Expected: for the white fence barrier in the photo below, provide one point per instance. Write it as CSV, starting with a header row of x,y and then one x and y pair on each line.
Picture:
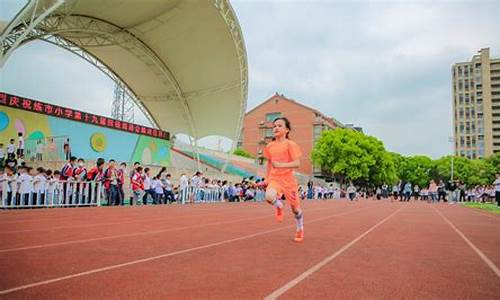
x,y
73,193
56,194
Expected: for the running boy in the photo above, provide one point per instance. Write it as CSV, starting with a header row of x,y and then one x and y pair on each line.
x,y
283,155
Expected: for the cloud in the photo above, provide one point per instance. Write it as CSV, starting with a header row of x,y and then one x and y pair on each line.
x,y
384,66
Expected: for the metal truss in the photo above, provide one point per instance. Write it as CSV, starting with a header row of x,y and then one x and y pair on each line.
x,y
123,106
229,16
52,21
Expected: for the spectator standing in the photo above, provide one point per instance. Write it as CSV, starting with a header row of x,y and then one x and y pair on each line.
x,y
148,188
2,155
111,183
137,183
11,149
496,183
433,191
351,191
168,189
20,145
67,149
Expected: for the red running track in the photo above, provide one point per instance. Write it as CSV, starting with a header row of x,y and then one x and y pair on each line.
x,y
367,249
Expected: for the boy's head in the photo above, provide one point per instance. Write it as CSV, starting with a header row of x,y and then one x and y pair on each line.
x,y
111,163
57,173
40,170
139,169
9,171
100,162
72,159
12,141
21,169
123,165
19,134
146,170
169,176
136,164
48,172
30,171
81,162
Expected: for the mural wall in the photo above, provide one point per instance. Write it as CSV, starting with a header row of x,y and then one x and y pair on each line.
x,y
47,134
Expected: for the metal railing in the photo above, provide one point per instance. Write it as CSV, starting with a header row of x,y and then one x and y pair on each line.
x,y
56,194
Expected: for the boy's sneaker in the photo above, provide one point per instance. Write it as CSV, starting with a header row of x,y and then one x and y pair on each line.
x,y
299,236
279,214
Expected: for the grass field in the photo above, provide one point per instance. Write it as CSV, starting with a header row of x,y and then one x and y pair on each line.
x,y
486,206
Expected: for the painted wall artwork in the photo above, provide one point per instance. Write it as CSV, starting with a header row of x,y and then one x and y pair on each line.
x,y
46,135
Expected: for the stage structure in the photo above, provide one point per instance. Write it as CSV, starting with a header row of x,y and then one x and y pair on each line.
x,y
183,63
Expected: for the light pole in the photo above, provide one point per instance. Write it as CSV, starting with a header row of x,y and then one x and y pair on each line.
x,y
452,140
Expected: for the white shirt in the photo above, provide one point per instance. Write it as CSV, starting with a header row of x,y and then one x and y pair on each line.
x,y
11,148
168,185
2,153
183,182
21,142
40,183
156,185
497,185
10,180
3,180
147,182
26,183
39,148
54,185
196,181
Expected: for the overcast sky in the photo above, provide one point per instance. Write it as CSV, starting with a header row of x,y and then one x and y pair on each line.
x,y
384,66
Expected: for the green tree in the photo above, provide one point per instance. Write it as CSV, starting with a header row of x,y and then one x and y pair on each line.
x,y
494,161
416,169
482,172
242,152
461,168
353,156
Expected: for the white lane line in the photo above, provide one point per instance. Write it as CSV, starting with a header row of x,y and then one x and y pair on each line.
x,y
125,235
147,259
478,211
280,291
483,256
129,221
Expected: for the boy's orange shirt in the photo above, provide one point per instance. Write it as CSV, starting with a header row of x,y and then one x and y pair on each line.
x,y
285,151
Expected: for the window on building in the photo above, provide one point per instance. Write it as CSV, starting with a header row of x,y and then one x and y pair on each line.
x,y
269,132
270,117
479,94
461,99
317,131
460,84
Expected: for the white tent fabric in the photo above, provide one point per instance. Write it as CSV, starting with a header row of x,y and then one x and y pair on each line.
x,y
184,60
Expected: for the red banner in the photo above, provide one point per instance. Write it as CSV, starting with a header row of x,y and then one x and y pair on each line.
x,y
79,116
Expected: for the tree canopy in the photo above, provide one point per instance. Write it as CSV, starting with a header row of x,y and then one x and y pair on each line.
x,y
353,156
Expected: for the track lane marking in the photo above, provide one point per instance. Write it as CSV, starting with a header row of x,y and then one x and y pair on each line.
x,y
143,233
483,256
289,285
169,254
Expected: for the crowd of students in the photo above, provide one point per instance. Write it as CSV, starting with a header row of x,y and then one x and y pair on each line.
x,y
73,184
451,192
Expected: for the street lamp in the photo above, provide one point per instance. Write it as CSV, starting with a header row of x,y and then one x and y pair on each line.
x,y
452,140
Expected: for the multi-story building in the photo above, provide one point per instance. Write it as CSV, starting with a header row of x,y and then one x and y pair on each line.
x,y
307,125
476,106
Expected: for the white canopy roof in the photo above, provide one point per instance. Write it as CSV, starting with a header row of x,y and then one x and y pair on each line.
x,y
185,61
